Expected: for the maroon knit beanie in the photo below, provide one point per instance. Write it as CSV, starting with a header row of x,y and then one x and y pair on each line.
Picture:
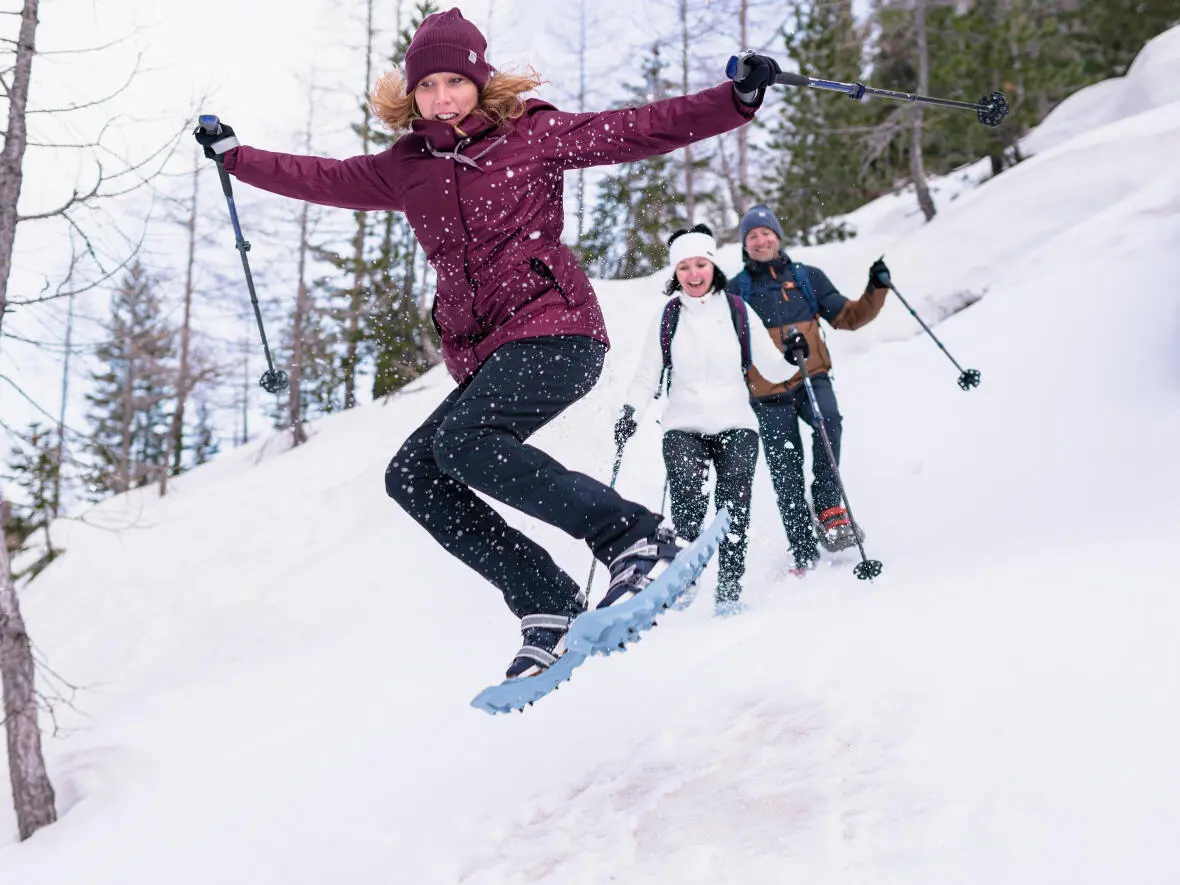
x,y
446,41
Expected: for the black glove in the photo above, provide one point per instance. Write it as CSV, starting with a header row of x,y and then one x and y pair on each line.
x,y
796,350
879,275
216,143
625,427
754,74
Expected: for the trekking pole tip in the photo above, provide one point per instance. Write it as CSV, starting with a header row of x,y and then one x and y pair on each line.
x,y
969,379
992,109
868,569
274,381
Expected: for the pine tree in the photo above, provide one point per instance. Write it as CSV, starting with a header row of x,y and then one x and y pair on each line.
x,y
817,137
378,315
37,472
206,441
1109,34
400,337
132,394
1023,48
638,204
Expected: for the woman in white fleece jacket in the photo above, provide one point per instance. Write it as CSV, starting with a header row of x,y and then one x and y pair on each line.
x,y
708,416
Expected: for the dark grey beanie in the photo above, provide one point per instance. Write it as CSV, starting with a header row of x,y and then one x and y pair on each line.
x,y
759,216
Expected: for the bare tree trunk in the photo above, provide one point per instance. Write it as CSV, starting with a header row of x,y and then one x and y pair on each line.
x,y
302,296
917,169
294,392
732,188
302,306
356,302
15,141
59,453
175,450
743,134
32,793
581,109
689,172
123,468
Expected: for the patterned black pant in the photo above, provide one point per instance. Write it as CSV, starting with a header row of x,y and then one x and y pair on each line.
x,y
779,419
734,454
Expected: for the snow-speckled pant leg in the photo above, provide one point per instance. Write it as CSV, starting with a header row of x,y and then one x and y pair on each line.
x,y
476,440
734,454
825,491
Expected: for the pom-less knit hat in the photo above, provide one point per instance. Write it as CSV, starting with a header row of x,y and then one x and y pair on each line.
x,y
694,244
446,41
759,216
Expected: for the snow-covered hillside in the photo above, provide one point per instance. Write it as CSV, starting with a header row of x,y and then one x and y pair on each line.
x,y
274,663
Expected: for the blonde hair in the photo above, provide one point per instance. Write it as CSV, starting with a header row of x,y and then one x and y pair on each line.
x,y
499,100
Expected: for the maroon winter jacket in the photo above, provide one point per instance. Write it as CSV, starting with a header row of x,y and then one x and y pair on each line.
x,y
488,210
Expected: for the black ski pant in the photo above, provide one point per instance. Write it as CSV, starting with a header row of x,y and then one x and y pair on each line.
x,y
778,419
734,454
475,441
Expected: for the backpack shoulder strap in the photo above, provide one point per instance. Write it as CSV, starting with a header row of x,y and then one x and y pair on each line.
x,y
745,285
668,321
803,281
741,325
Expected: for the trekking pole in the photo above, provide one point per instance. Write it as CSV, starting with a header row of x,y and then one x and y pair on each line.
x,y
273,380
614,475
991,109
664,495
795,346
968,378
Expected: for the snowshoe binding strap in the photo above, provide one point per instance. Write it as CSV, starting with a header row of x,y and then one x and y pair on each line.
x,y
545,622
639,565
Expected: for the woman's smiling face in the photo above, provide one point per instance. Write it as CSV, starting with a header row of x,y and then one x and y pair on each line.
x,y
695,276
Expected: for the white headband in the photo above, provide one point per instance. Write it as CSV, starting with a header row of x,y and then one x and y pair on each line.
x,y
692,245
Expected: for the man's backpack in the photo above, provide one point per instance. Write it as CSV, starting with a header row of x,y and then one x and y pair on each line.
x,y
671,316
802,281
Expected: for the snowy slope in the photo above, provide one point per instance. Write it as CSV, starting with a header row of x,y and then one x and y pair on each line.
x,y
274,663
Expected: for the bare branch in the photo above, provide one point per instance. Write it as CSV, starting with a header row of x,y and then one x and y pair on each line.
x,y
50,53
74,200
97,101
53,418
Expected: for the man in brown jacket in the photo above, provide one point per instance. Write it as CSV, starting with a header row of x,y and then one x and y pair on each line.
x,y
785,294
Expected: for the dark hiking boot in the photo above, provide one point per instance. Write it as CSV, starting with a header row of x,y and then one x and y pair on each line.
x,y
640,564
544,641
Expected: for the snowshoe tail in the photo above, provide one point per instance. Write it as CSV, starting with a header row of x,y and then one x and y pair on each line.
x,y
516,694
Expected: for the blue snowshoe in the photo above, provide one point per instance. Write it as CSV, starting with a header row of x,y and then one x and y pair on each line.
x,y
646,579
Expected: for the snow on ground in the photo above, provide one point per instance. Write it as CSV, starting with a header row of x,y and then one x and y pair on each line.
x,y
273,663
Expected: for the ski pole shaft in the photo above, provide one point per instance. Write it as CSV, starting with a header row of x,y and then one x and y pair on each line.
x,y
914,314
968,378
273,381
867,568
614,475
991,109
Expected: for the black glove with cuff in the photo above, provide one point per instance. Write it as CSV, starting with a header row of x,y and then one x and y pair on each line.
x,y
216,143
